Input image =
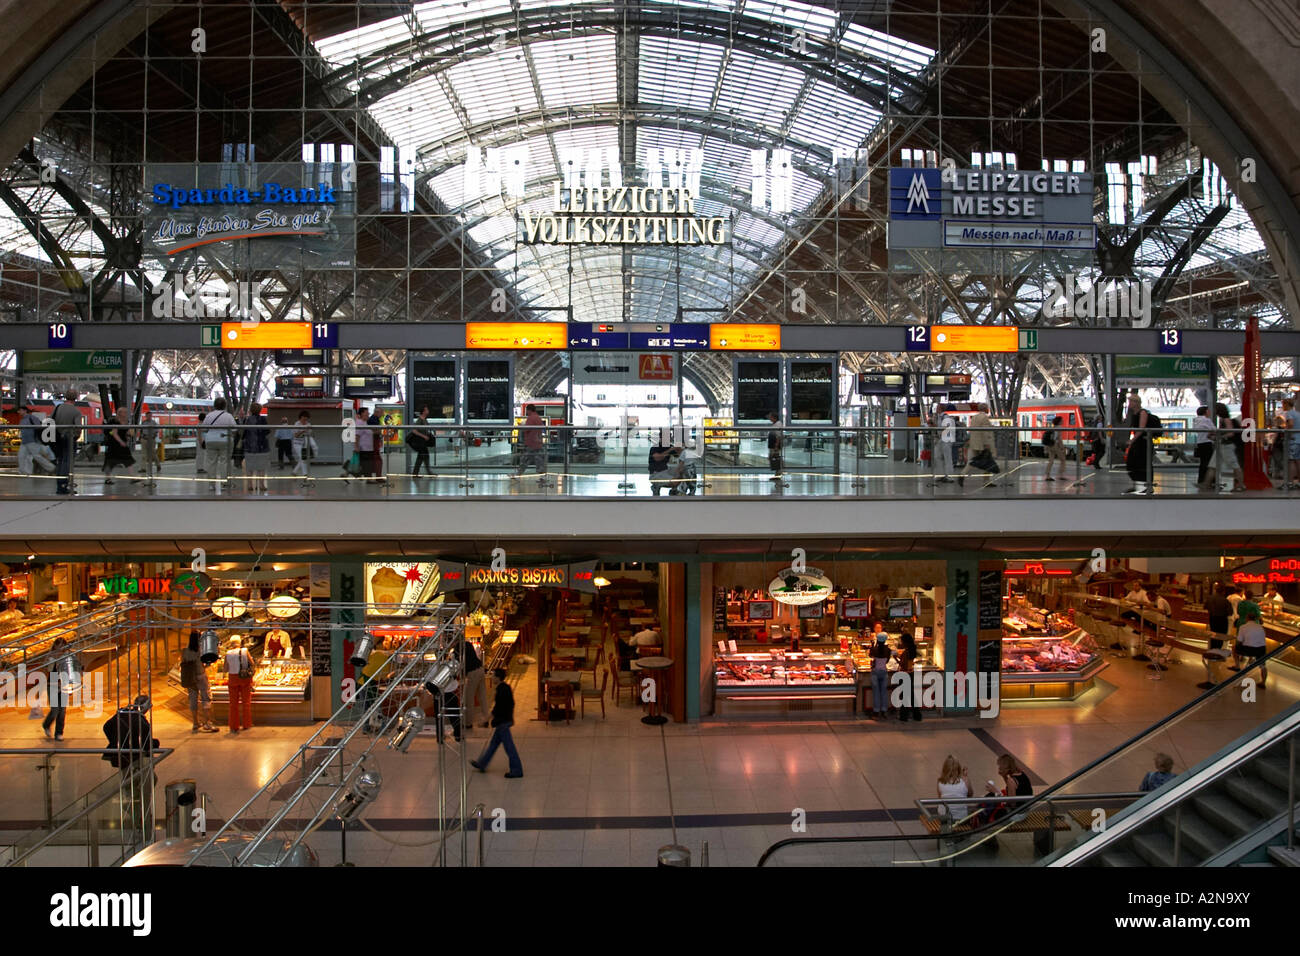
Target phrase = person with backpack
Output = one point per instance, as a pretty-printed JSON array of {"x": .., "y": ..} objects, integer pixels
[
  {"x": 1144, "y": 428},
  {"x": 194, "y": 679},
  {"x": 981, "y": 452},
  {"x": 239, "y": 682},
  {"x": 1054, "y": 447}
]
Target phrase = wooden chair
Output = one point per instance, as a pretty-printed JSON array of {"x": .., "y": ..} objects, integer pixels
[
  {"x": 594, "y": 692},
  {"x": 559, "y": 694},
  {"x": 649, "y": 650},
  {"x": 622, "y": 679}
]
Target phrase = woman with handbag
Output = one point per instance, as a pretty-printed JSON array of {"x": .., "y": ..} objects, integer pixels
[{"x": 239, "y": 681}]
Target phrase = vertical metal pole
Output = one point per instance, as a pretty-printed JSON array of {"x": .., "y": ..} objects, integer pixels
[
  {"x": 1178, "y": 831},
  {"x": 47, "y": 767},
  {"x": 1290, "y": 796}
]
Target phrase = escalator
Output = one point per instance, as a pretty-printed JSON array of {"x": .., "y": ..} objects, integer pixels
[{"x": 1234, "y": 805}]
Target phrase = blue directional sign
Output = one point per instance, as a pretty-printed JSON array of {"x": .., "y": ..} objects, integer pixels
[
  {"x": 325, "y": 335},
  {"x": 60, "y": 336},
  {"x": 1171, "y": 342},
  {"x": 673, "y": 335},
  {"x": 596, "y": 335},
  {"x": 918, "y": 338}
]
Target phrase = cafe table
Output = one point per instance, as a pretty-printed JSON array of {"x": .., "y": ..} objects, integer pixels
[{"x": 658, "y": 670}]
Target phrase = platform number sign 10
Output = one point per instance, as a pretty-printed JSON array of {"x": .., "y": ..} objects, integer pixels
[
  {"x": 1171, "y": 342},
  {"x": 918, "y": 338},
  {"x": 60, "y": 336}
]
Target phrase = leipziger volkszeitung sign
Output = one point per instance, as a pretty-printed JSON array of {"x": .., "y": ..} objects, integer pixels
[{"x": 619, "y": 215}]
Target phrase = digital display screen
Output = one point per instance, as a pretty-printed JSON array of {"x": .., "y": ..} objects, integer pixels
[
  {"x": 901, "y": 607},
  {"x": 487, "y": 391},
  {"x": 301, "y": 358},
  {"x": 758, "y": 390},
  {"x": 812, "y": 390},
  {"x": 433, "y": 386},
  {"x": 882, "y": 383}
]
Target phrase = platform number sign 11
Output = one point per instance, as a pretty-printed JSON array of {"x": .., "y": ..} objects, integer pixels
[
  {"x": 60, "y": 336},
  {"x": 1171, "y": 342},
  {"x": 918, "y": 338},
  {"x": 325, "y": 335}
]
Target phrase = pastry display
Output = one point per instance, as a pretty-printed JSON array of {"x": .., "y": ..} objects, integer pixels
[{"x": 387, "y": 587}]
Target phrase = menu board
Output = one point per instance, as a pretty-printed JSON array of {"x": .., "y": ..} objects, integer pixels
[
  {"x": 321, "y": 652},
  {"x": 487, "y": 391},
  {"x": 990, "y": 600},
  {"x": 758, "y": 390},
  {"x": 812, "y": 390},
  {"x": 988, "y": 658},
  {"x": 719, "y": 610}
]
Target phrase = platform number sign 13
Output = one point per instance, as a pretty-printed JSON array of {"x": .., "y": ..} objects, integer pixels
[
  {"x": 60, "y": 336},
  {"x": 918, "y": 338},
  {"x": 1171, "y": 342}
]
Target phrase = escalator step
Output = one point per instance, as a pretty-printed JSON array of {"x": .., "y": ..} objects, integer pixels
[
  {"x": 1282, "y": 856},
  {"x": 1255, "y": 793},
  {"x": 1157, "y": 848},
  {"x": 1121, "y": 858},
  {"x": 1271, "y": 769},
  {"x": 1226, "y": 813},
  {"x": 1199, "y": 836}
]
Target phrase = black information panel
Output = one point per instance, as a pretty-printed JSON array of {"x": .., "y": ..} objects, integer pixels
[
  {"x": 433, "y": 386},
  {"x": 487, "y": 390},
  {"x": 720, "y": 610},
  {"x": 812, "y": 390},
  {"x": 990, "y": 601},
  {"x": 322, "y": 652},
  {"x": 988, "y": 659},
  {"x": 758, "y": 390}
]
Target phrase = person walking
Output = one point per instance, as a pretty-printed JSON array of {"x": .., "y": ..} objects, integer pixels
[
  {"x": 473, "y": 686},
  {"x": 215, "y": 438},
  {"x": 302, "y": 445},
  {"x": 32, "y": 452},
  {"x": 117, "y": 448},
  {"x": 774, "y": 446},
  {"x": 1054, "y": 446},
  {"x": 1252, "y": 640},
  {"x": 283, "y": 443},
  {"x": 1218, "y": 613},
  {"x": 239, "y": 681},
  {"x": 534, "y": 429},
  {"x": 149, "y": 437},
  {"x": 1202, "y": 435},
  {"x": 1138, "y": 461},
  {"x": 58, "y": 696},
  {"x": 420, "y": 439},
  {"x": 377, "y": 439},
  {"x": 1229, "y": 450},
  {"x": 257, "y": 450},
  {"x": 194, "y": 679},
  {"x": 503, "y": 718},
  {"x": 1291, "y": 437},
  {"x": 981, "y": 453},
  {"x": 68, "y": 423}
]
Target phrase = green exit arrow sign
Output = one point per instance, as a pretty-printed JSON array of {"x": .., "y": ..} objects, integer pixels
[
  {"x": 211, "y": 336},
  {"x": 1029, "y": 340}
]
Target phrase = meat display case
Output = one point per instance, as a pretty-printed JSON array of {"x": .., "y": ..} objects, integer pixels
[
  {"x": 784, "y": 676},
  {"x": 280, "y": 680},
  {"x": 1049, "y": 667}
]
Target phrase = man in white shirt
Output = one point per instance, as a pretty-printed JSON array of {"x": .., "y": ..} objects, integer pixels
[
  {"x": 216, "y": 440},
  {"x": 646, "y": 637},
  {"x": 1202, "y": 437},
  {"x": 1251, "y": 644},
  {"x": 1162, "y": 605},
  {"x": 946, "y": 445}
]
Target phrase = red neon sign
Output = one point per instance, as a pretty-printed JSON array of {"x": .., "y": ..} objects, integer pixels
[{"x": 1037, "y": 570}]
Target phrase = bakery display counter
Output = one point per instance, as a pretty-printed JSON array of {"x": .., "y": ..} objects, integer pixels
[
  {"x": 32, "y": 636},
  {"x": 1049, "y": 667},
  {"x": 281, "y": 680},
  {"x": 784, "y": 676}
]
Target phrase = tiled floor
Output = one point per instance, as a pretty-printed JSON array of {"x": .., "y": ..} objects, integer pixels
[{"x": 608, "y": 791}]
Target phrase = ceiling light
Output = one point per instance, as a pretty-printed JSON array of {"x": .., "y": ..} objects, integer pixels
[
  {"x": 283, "y": 606},
  {"x": 228, "y": 608}
]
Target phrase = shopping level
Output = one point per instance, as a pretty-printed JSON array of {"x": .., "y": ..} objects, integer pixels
[{"x": 596, "y": 779}]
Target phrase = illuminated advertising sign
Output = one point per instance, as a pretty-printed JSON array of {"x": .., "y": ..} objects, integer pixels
[
  {"x": 622, "y": 215},
  {"x": 516, "y": 335}
]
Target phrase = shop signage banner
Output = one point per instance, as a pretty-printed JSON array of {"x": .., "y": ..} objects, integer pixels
[
  {"x": 975, "y": 213},
  {"x": 575, "y": 577},
  {"x": 433, "y": 386},
  {"x": 625, "y": 368},
  {"x": 1268, "y": 571},
  {"x": 99, "y": 365},
  {"x": 622, "y": 215},
  {"x": 1161, "y": 371},
  {"x": 287, "y": 216}
]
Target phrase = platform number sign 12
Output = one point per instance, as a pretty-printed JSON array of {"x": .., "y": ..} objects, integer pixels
[
  {"x": 60, "y": 336},
  {"x": 325, "y": 335},
  {"x": 918, "y": 338},
  {"x": 1171, "y": 342}
]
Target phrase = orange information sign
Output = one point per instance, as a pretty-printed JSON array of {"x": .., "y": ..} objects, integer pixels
[
  {"x": 744, "y": 337},
  {"x": 974, "y": 338},
  {"x": 266, "y": 335},
  {"x": 516, "y": 335}
]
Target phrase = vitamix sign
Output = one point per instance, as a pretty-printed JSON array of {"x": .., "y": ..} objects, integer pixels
[
  {"x": 273, "y": 215},
  {"x": 991, "y": 210}
]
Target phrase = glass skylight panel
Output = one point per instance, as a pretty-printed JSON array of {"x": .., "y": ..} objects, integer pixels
[
  {"x": 677, "y": 73},
  {"x": 759, "y": 90},
  {"x": 439, "y": 14},
  {"x": 343, "y": 48},
  {"x": 903, "y": 56},
  {"x": 814, "y": 21},
  {"x": 831, "y": 117},
  {"x": 417, "y": 114},
  {"x": 494, "y": 87},
  {"x": 578, "y": 71}
]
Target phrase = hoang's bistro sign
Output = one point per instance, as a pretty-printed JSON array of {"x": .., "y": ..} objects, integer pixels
[{"x": 619, "y": 215}]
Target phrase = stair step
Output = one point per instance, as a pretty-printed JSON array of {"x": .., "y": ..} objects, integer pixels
[
  {"x": 1157, "y": 848},
  {"x": 1199, "y": 836},
  {"x": 1282, "y": 856},
  {"x": 1272, "y": 769},
  {"x": 1121, "y": 857},
  {"x": 1226, "y": 813},
  {"x": 1255, "y": 793}
]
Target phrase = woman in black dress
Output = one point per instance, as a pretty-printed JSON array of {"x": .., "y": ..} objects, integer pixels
[{"x": 117, "y": 448}]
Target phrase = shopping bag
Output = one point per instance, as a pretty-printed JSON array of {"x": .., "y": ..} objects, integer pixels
[{"x": 354, "y": 464}]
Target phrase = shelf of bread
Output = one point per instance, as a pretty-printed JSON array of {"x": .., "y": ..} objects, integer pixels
[{"x": 31, "y": 636}]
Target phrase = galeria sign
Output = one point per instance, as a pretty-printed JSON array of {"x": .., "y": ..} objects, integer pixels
[{"x": 619, "y": 215}]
